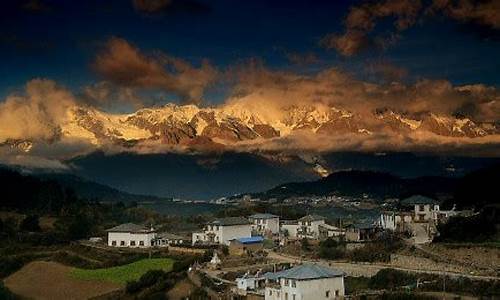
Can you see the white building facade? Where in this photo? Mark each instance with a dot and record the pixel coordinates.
(131, 235)
(265, 224)
(305, 282)
(222, 231)
(309, 226)
(425, 209)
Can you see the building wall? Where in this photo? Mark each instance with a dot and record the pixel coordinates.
(222, 234)
(312, 228)
(273, 225)
(128, 237)
(426, 212)
(236, 248)
(228, 233)
(266, 225)
(198, 237)
(291, 229)
(307, 289)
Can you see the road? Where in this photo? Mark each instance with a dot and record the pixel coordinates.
(370, 269)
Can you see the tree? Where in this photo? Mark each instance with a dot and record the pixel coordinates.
(79, 227)
(30, 223)
(304, 244)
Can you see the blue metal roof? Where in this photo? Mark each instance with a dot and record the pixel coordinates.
(305, 271)
(251, 240)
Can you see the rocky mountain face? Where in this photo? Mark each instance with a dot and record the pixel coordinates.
(191, 125)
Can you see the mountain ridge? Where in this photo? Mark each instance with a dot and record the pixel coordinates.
(214, 128)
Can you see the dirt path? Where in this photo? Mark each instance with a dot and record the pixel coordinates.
(369, 269)
(50, 280)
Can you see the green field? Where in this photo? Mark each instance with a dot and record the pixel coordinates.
(122, 274)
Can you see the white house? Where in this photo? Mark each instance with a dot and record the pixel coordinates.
(250, 283)
(222, 231)
(329, 231)
(289, 229)
(395, 221)
(425, 208)
(265, 224)
(164, 239)
(131, 235)
(309, 226)
(305, 282)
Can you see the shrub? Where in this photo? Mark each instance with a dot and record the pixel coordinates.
(30, 223)
(5, 293)
(390, 279)
(147, 279)
(9, 265)
(331, 249)
(304, 244)
(480, 228)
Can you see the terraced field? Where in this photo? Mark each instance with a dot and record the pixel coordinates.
(122, 274)
(51, 280)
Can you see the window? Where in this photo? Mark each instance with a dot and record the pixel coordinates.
(122, 243)
(113, 243)
(336, 293)
(270, 292)
(293, 297)
(141, 243)
(286, 282)
(421, 207)
(327, 294)
(132, 243)
(293, 283)
(286, 296)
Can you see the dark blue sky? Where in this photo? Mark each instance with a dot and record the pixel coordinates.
(60, 39)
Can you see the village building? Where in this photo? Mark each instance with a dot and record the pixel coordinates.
(246, 245)
(360, 232)
(222, 231)
(288, 230)
(425, 209)
(265, 224)
(397, 221)
(309, 226)
(305, 282)
(251, 284)
(131, 235)
(164, 239)
(329, 231)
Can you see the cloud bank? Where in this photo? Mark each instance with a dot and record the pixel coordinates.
(361, 21)
(125, 65)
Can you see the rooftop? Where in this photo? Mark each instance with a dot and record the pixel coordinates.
(129, 227)
(263, 216)
(312, 218)
(305, 272)
(250, 240)
(231, 221)
(418, 199)
(169, 236)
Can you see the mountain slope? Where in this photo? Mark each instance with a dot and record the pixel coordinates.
(92, 190)
(358, 183)
(194, 176)
(209, 128)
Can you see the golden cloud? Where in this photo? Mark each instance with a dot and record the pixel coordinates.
(123, 64)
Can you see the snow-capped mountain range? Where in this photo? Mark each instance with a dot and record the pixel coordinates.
(191, 125)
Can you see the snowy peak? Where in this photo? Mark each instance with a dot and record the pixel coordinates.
(191, 125)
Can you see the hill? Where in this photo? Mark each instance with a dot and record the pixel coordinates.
(476, 189)
(92, 190)
(48, 192)
(358, 183)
